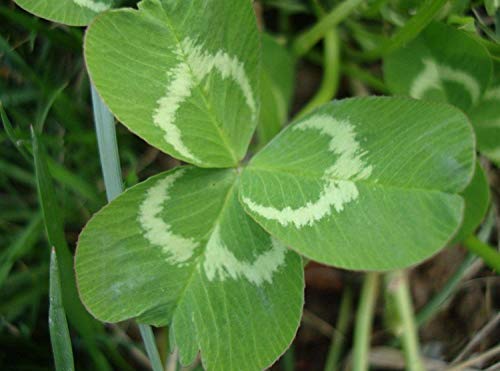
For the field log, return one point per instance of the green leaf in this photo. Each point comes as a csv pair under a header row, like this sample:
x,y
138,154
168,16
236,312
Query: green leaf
x,y
365,183
69,12
442,64
276,83
485,118
59,332
477,200
491,6
178,249
183,75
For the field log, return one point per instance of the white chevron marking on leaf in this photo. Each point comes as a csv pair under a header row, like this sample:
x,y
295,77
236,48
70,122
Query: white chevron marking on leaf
x,y
339,187
92,5
185,77
221,263
156,230
433,74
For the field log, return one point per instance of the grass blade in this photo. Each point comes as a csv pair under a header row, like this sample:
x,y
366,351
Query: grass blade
x,y
21,246
110,165
77,314
58,327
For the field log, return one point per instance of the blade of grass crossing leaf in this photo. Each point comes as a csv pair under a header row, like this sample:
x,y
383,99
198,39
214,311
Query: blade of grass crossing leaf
x,y
110,165
108,148
148,338
78,316
58,327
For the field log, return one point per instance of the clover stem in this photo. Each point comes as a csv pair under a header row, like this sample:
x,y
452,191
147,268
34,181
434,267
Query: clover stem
x,y
338,337
111,171
490,256
364,320
398,290
309,38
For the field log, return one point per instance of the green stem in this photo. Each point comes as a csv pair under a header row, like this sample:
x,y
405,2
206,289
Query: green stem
x,y
364,319
110,164
409,31
334,354
489,255
331,75
354,71
309,38
399,291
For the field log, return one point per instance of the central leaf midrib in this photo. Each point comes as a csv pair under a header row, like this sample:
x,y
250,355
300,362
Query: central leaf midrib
x,y
371,184
206,237
212,116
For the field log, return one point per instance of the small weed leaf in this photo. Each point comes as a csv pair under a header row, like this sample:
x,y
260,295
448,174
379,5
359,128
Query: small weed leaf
x,y
178,249
442,64
70,12
486,120
182,75
352,186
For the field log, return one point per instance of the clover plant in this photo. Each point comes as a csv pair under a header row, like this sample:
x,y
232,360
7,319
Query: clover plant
x,y
213,248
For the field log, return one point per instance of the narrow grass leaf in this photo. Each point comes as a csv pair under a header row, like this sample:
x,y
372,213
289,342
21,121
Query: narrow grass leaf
x,y
21,245
77,315
58,327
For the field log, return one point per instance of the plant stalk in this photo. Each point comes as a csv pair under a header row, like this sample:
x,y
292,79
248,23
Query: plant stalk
x,y
110,165
331,74
309,38
338,336
398,290
364,320
490,256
